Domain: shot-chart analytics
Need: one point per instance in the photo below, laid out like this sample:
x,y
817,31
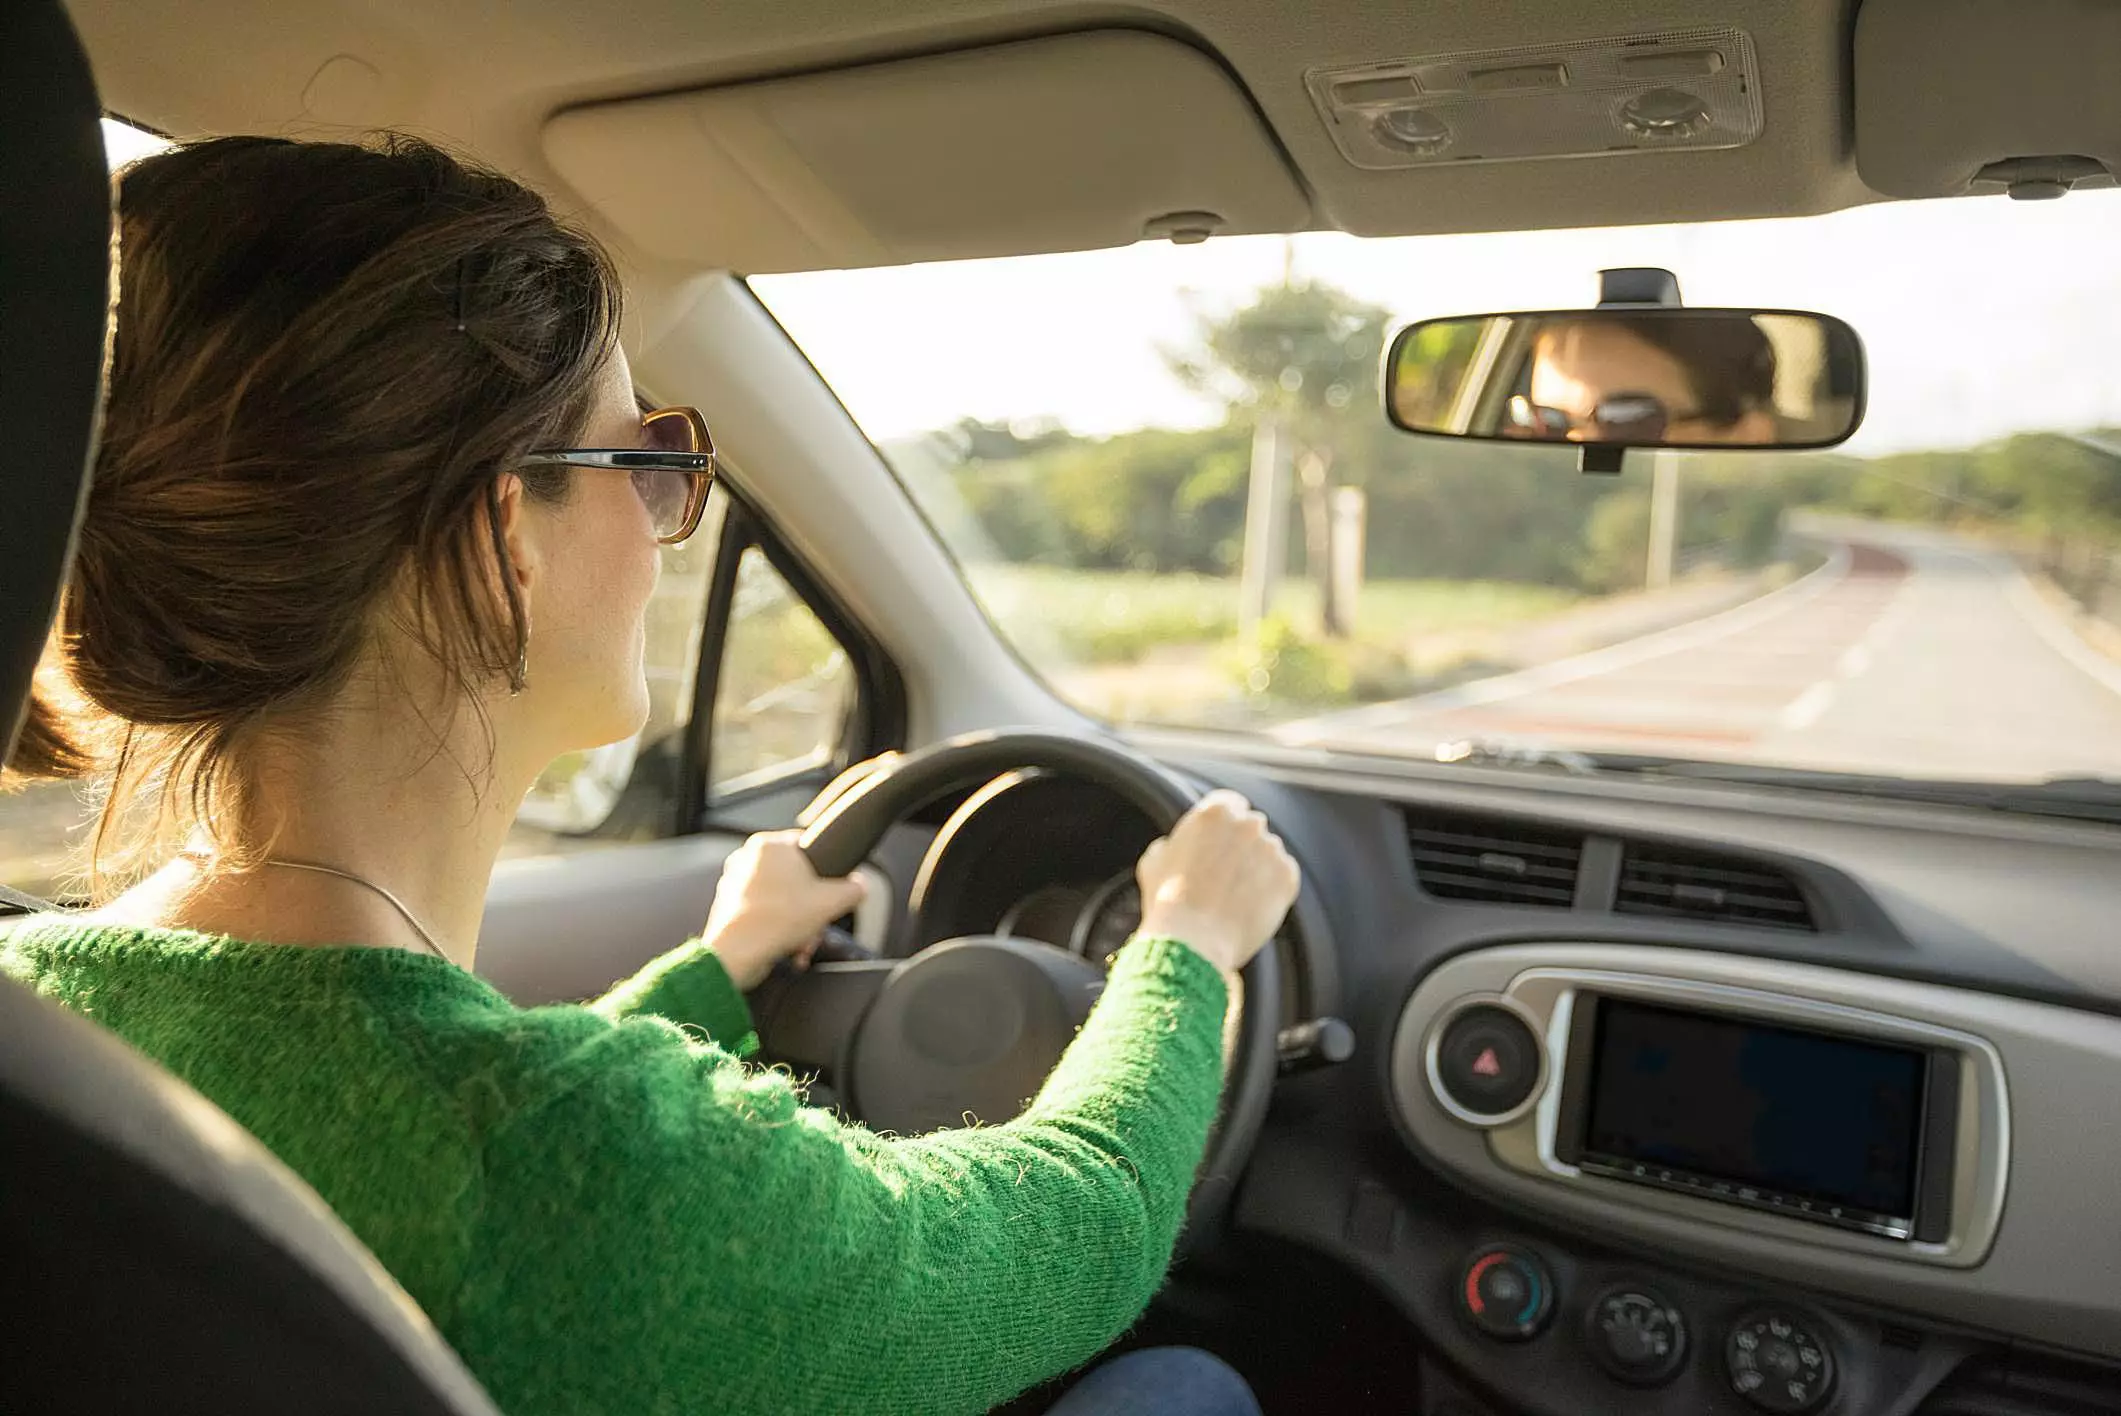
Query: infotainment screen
x,y
1825,1126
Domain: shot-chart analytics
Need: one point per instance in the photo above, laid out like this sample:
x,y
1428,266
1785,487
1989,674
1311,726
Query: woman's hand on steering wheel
x,y
771,905
1221,882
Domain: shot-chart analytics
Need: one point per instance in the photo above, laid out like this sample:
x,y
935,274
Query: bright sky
x,y
122,143
1981,316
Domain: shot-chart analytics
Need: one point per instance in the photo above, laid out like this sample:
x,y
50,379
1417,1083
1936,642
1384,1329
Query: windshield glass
x,y
1166,476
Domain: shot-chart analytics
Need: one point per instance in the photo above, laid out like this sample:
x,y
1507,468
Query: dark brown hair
x,y
326,356
1729,362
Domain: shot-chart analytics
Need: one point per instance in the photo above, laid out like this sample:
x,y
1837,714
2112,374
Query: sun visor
x,y
2017,95
1068,143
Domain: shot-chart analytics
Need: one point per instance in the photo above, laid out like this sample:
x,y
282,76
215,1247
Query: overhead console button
x,y
1486,1064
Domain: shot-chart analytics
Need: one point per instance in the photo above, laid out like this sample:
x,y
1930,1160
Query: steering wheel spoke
x,y
807,1017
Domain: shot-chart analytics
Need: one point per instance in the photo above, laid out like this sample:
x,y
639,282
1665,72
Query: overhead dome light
x,y
1669,91
1414,130
1666,113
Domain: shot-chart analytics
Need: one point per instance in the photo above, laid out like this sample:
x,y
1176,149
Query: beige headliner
x,y
489,76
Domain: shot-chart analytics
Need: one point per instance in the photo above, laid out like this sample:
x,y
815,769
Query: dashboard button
x,y
1636,1335
1507,1294
1486,1063
1776,1362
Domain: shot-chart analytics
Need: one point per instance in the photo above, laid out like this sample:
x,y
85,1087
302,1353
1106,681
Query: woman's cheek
x,y
651,577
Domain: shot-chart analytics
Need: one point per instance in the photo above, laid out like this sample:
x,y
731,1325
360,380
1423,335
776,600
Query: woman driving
x,y
373,530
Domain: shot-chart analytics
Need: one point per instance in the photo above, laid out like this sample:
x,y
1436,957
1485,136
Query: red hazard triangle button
x,y
1487,1064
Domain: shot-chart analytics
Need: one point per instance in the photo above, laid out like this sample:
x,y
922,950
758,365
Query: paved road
x,y
1908,652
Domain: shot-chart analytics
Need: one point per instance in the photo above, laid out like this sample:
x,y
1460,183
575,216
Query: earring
x,y
516,680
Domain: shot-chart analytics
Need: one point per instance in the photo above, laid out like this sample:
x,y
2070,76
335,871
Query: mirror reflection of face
x,y
1590,370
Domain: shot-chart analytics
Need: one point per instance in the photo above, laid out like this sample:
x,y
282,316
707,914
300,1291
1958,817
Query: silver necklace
x,y
392,900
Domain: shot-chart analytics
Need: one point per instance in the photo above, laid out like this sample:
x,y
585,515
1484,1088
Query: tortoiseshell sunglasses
x,y
671,474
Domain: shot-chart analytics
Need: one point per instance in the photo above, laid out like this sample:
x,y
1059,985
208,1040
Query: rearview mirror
x,y
1651,377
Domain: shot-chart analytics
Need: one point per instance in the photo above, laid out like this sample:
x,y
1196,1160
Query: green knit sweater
x,y
604,1210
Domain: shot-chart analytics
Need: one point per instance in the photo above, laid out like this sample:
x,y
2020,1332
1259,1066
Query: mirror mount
x,y
1626,288
1632,287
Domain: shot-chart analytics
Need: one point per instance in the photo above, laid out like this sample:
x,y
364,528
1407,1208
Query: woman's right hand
x,y
1220,882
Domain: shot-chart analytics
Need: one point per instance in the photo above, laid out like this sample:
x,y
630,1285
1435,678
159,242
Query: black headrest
x,y
157,1258
55,293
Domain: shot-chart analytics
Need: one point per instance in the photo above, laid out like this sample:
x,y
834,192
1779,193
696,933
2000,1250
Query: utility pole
x,y
1266,522
1342,591
1664,517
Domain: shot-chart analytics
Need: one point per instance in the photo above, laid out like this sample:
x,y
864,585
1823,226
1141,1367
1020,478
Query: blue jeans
x,y
1160,1381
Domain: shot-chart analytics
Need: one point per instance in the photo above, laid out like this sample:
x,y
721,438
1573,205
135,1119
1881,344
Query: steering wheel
x,y
973,1025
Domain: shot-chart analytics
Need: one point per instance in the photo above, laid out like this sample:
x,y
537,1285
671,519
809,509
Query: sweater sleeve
x,y
690,987
693,1238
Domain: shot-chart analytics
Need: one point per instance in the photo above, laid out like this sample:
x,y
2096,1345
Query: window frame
x,y
877,720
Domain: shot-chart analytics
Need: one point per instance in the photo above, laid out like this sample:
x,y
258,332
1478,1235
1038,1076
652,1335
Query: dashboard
x,y
1662,1098
1092,921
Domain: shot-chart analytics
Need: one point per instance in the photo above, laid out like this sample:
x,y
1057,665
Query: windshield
x,y
1165,474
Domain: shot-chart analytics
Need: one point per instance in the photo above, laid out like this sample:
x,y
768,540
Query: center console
x,y
1792,1117
1771,1112
1746,1183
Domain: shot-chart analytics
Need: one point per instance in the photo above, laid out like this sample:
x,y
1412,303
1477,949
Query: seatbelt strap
x,y
23,903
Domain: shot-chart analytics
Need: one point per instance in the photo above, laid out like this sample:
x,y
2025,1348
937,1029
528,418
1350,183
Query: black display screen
x,y
1799,1114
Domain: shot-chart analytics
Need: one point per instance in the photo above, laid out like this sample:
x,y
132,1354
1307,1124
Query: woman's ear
x,y
513,533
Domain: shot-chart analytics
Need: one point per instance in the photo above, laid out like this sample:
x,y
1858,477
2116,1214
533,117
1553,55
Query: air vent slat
x,y
1673,883
1787,918
1479,842
1484,887
1489,862
1494,861
1652,871
1731,899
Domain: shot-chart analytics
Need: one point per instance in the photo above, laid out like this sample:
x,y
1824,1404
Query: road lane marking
x,y
1810,706
1807,707
1629,652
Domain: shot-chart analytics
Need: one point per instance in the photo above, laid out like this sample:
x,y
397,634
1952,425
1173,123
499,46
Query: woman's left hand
x,y
772,905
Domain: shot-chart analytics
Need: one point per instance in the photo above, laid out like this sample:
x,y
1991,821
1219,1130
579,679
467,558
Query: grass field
x,y
1103,617
1168,648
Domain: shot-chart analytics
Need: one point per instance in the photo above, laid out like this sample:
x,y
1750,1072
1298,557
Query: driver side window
x,y
786,693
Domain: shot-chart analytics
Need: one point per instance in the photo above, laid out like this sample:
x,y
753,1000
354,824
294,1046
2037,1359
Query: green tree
x,y
1305,354
1616,542
1158,500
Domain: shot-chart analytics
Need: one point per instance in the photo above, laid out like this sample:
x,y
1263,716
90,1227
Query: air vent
x,y
1495,861
1683,884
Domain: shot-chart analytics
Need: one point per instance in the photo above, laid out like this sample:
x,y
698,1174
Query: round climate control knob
x,y
1778,1363
1506,1293
1636,1335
